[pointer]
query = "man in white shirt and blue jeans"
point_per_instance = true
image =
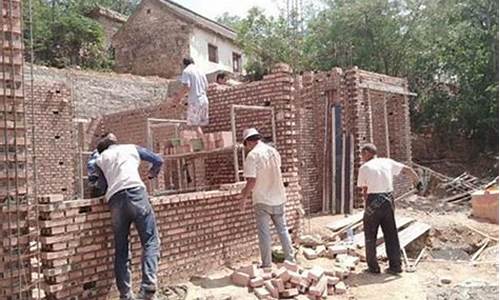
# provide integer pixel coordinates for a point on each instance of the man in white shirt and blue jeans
(262, 172)
(129, 203)
(375, 178)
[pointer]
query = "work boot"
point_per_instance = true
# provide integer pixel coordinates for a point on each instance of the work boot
(394, 271)
(371, 271)
(127, 297)
(146, 295)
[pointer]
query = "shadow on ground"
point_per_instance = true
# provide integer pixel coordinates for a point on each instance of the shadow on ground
(362, 279)
(211, 283)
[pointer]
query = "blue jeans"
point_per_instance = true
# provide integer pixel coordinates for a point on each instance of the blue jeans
(264, 214)
(132, 206)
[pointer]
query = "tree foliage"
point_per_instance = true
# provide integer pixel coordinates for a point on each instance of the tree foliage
(448, 49)
(64, 36)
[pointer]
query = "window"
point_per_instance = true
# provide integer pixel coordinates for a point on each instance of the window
(236, 62)
(213, 56)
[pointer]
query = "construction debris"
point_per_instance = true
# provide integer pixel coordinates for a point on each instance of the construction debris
(291, 280)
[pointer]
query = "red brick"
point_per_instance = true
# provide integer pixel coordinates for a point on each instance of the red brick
(240, 279)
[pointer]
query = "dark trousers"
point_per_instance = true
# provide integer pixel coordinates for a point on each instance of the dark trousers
(132, 206)
(380, 211)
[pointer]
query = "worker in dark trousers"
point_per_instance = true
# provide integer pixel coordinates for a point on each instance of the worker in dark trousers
(375, 178)
(129, 203)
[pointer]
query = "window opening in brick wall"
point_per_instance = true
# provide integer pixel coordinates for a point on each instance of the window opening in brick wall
(236, 62)
(213, 54)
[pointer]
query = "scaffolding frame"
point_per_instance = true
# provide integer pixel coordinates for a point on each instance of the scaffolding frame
(236, 107)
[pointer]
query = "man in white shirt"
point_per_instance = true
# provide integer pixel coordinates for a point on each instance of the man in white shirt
(129, 203)
(195, 84)
(262, 172)
(375, 178)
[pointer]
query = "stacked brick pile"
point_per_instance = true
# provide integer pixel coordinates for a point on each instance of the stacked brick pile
(290, 281)
(199, 231)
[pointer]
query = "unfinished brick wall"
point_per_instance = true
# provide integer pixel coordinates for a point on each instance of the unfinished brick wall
(274, 91)
(381, 116)
(372, 108)
(316, 94)
(55, 141)
(101, 93)
(17, 232)
(198, 231)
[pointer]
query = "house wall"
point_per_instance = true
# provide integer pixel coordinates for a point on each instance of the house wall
(55, 144)
(199, 51)
(152, 42)
(98, 93)
(110, 27)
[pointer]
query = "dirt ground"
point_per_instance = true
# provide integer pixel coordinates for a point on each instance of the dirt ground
(445, 272)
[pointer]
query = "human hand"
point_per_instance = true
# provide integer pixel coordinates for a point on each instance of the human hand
(243, 202)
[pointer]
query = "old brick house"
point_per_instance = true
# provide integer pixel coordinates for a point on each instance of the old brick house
(160, 33)
(110, 20)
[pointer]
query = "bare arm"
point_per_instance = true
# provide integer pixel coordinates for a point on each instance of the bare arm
(181, 94)
(364, 192)
(409, 172)
(247, 191)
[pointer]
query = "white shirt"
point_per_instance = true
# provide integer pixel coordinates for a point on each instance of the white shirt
(197, 83)
(264, 164)
(377, 174)
(120, 165)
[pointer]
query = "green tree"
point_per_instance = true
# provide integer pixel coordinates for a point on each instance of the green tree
(64, 36)
(266, 41)
(462, 53)
(229, 20)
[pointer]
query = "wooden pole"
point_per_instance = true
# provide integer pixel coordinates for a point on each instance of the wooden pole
(333, 182)
(343, 179)
(386, 125)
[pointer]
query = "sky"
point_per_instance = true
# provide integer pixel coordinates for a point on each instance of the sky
(214, 8)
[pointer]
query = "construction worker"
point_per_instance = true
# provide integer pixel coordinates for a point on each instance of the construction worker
(264, 182)
(375, 179)
(129, 203)
(221, 78)
(195, 84)
(96, 179)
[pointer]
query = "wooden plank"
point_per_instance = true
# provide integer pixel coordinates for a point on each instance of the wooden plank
(387, 88)
(339, 224)
(386, 128)
(342, 179)
(199, 153)
(333, 181)
(406, 236)
(359, 238)
(351, 173)
(457, 197)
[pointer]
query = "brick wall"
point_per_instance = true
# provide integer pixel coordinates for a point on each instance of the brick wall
(302, 107)
(369, 113)
(16, 229)
(55, 142)
(99, 93)
(152, 42)
(198, 231)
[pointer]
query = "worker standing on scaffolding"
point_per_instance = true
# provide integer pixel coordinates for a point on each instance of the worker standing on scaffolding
(128, 201)
(195, 84)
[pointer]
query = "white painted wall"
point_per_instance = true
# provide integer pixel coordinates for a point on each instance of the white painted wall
(198, 48)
